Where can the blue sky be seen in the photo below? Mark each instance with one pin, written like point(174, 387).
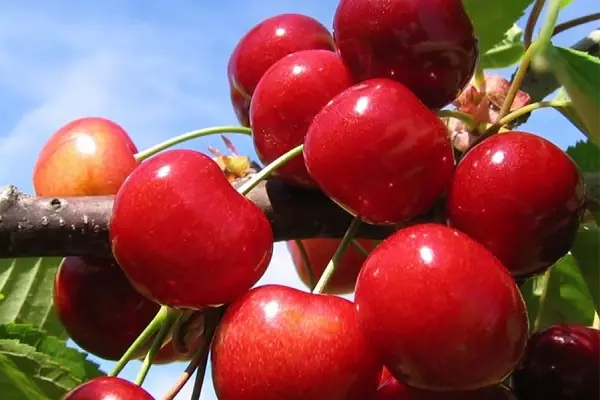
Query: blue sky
point(158, 70)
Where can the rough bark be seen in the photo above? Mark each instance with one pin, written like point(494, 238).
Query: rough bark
point(39, 227)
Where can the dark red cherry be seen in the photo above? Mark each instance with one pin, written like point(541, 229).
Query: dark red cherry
point(525, 187)
point(427, 45)
point(377, 151)
point(98, 307)
point(108, 388)
point(241, 106)
point(268, 42)
point(286, 100)
point(184, 236)
point(562, 362)
point(442, 311)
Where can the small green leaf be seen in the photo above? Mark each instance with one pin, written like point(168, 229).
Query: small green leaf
point(586, 252)
point(491, 19)
point(506, 52)
point(562, 296)
point(15, 385)
point(586, 155)
point(76, 362)
point(49, 376)
point(27, 284)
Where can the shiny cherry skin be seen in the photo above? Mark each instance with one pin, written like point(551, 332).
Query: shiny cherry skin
point(268, 42)
point(286, 100)
point(108, 388)
point(372, 148)
point(98, 307)
point(89, 156)
point(562, 362)
point(184, 236)
point(466, 326)
point(529, 190)
point(392, 389)
point(277, 342)
point(319, 251)
point(427, 45)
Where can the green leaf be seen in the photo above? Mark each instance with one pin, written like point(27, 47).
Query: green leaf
point(505, 53)
point(27, 284)
point(53, 379)
point(579, 73)
point(586, 155)
point(492, 19)
point(73, 360)
point(586, 252)
point(561, 295)
point(14, 384)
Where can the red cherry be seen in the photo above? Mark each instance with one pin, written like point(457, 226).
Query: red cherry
point(562, 362)
point(241, 106)
point(280, 343)
point(528, 190)
point(286, 100)
point(184, 236)
point(319, 252)
point(395, 390)
point(98, 307)
point(86, 157)
point(108, 388)
point(427, 45)
point(268, 42)
point(379, 152)
point(441, 310)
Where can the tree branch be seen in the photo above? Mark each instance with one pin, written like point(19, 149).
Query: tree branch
point(42, 226)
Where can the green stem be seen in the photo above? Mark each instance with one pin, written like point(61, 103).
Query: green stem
point(575, 22)
point(306, 263)
point(463, 116)
point(268, 170)
point(531, 21)
point(332, 265)
point(517, 82)
point(545, 284)
point(159, 340)
point(507, 119)
point(141, 340)
point(360, 247)
point(142, 155)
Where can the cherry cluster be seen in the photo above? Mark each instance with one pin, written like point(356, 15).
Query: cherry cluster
point(437, 312)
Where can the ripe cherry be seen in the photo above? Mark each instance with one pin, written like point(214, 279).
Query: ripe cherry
point(528, 190)
point(98, 307)
point(442, 311)
point(562, 362)
point(372, 148)
point(266, 43)
point(277, 342)
point(241, 105)
point(319, 252)
point(108, 388)
point(427, 45)
point(184, 236)
point(87, 157)
point(286, 100)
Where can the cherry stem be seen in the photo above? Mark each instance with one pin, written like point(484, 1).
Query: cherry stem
point(170, 318)
point(306, 263)
point(201, 370)
point(200, 358)
point(142, 155)
point(527, 109)
point(141, 340)
point(463, 116)
point(479, 79)
point(360, 247)
point(269, 169)
point(545, 285)
point(531, 21)
point(575, 22)
point(332, 265)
